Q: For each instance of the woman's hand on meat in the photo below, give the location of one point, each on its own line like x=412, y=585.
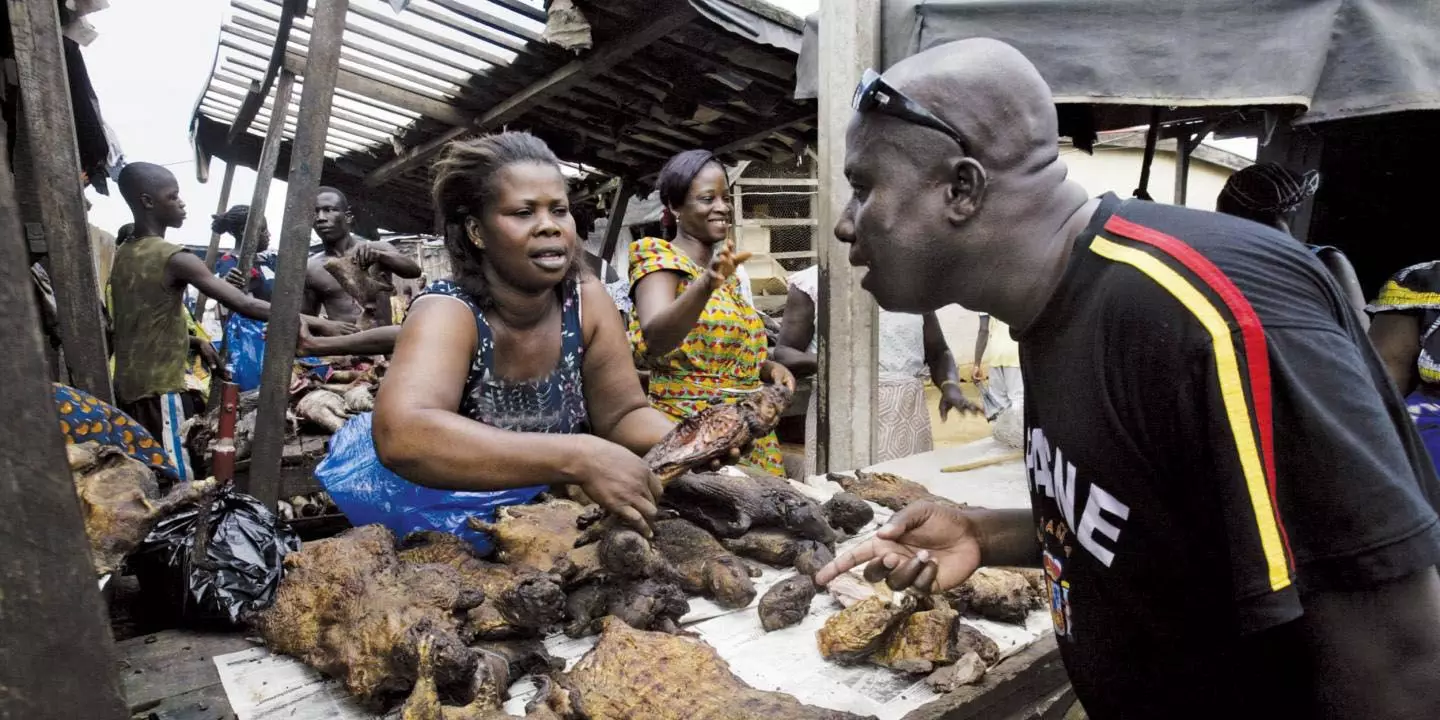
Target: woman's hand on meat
x=777, y=374
x=619, y=481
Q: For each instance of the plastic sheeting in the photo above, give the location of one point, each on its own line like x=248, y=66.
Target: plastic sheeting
x=1337, y=59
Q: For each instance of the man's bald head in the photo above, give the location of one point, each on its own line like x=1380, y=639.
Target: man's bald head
x=989, y=92
x=153, y=194
x=938, y=222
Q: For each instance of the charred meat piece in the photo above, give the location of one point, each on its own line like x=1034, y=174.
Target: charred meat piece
x=848, y=512
x=647, y=604
x=886, y=489
x=1002, y=595
x=702, y=565
x=924, y=640
x=349, y=609
x=786, y=603
x=730, y=506
x=519, y=600
x=636, y=675
x=778, y=548
x=542, y=536
x=120, y=500
x=968, y=670
x=855, y=633
x=968, y=639
x=362, y=284
x=712, y=433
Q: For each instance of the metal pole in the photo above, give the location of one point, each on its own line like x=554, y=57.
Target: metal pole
x=212, y=253
x=55, y=166
x=849, y=43
x=1182, y=166
x=307, y=158
x=57, y=659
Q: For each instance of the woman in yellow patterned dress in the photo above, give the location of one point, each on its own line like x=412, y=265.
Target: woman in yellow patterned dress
x=693, y=328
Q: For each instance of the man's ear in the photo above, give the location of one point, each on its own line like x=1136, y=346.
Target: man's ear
x=966, y=191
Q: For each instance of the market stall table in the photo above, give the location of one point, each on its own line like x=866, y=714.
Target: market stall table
x=259, y=685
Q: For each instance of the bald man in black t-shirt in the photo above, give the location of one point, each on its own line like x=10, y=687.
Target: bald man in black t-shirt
x=1233, y=512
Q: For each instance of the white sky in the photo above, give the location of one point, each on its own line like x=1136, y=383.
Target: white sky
x=148, y=66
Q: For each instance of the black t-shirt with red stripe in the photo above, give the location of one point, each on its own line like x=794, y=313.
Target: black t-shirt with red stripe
x=1209, y=435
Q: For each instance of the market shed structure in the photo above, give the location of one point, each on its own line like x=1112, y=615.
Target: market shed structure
x=656, y=78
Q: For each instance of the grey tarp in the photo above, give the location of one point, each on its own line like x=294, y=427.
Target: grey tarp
x=1336, y=58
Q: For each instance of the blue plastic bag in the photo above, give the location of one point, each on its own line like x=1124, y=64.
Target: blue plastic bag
x=247, y=350
x=368, y=492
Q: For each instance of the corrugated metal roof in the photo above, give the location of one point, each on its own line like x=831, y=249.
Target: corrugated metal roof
x=445, y=68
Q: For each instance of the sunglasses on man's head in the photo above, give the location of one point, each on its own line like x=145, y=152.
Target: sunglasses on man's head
x=873, y=94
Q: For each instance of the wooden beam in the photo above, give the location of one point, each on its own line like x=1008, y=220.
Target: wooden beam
x=559, y=81
x=307, y=159
x=212, y=253
x=55, y=164
x=846, y=337
x=260, y=90
x=56, y=659
x=616, y=222
x=757, y=137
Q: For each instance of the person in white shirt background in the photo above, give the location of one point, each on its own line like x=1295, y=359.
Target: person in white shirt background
x=908, y=344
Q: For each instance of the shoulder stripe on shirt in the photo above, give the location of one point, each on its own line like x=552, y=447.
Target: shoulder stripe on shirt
x=1252, y=432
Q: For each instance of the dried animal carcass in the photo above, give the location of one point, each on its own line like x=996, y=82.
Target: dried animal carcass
x=201, y=431
x=969, y=639
x=361, y=283
x=645, y=604
x=997, y=594
x=712, y=433
x=968, y=670
x=349, y=608
x=323, y=408
x=729, y=506
x=542, y=536
x=637, y=675
x=121, y=502
x=776, y=547
x=487, y=691
x=702, y=565
x=923, y=640
x=887, y=489
x=519, y=600
x=786, y=603
x=855, y=633
x=848, y=512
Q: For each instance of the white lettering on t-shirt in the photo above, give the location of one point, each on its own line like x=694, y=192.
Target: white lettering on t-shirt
x=1051, y=475
x=1091, y=522
x=1038, y=462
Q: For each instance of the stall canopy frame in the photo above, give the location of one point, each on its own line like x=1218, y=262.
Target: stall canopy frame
x=660, y=77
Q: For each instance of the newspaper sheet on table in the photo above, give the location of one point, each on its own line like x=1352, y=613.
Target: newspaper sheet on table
x=263, y=686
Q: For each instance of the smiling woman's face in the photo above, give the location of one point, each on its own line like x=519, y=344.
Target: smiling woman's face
x=526, y=228
x=705, y=215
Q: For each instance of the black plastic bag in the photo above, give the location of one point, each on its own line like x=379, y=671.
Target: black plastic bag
x=232, y=577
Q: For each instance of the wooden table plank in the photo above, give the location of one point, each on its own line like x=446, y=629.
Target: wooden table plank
x=174, y=670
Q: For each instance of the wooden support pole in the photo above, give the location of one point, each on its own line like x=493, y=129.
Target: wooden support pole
x=1182, y=166
x=616, y=222
x=846, y=383
x=57, y=659
x=212, y=253
x=307, y=158
x=55, y=167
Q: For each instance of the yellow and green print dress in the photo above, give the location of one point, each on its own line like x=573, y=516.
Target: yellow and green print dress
x=720, y=359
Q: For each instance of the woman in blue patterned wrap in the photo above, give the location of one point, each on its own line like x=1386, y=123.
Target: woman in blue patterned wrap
x=516, y=374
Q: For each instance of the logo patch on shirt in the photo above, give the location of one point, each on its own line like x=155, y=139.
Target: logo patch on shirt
x=1059, y=592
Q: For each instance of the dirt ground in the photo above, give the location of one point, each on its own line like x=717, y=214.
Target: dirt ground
x=959, y=429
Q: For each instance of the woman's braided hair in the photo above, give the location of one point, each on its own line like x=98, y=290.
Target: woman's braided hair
x=231, y=221
x=463, y=187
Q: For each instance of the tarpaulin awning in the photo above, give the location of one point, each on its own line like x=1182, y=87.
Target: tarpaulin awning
x=1335, y=59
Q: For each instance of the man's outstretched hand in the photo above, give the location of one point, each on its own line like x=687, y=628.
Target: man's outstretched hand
x=928, y=546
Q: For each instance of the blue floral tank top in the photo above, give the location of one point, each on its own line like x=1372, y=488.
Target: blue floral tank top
x=552, y=404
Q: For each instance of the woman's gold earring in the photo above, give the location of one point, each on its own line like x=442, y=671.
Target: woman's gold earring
x=472, y=230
